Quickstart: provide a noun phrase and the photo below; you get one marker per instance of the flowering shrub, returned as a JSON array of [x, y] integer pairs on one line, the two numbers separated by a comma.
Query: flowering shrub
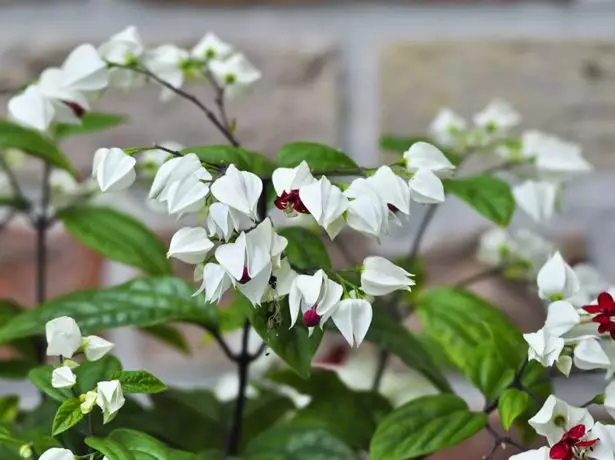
[[253, 228]]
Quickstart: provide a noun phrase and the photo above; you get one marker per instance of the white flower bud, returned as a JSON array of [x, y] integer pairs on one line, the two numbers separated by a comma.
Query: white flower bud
[[426, 187], [239, 190], [25, 451], [56, 453], [84, 70], [63, 337], [109, 398], [537, 199], [187, 195], [113, 169], [63, 377], [190, 245], [88, 401], [422, 155], [446, 127], [95, 347], [497, 116], [234, 74], [31, 109], [381, 276], [557, 280], [326, 204]]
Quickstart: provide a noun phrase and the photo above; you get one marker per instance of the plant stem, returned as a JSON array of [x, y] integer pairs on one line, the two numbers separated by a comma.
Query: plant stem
[[384, 355], [243, 365], [41, 226], [479, 276]]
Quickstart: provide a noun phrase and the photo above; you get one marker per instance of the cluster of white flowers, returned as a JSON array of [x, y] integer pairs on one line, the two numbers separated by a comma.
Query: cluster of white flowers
[[64, 340]]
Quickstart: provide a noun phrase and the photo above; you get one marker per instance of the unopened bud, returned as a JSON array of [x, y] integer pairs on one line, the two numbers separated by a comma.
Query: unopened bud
[[25, 451]]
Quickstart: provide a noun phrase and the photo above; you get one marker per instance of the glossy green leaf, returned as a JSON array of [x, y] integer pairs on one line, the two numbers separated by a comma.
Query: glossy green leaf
[[320, 158], [511, 405], [139, 382], [223, 155], [424, 426], [487, 194], [110, 448], [272, 322], [141, 302], [91, 122], [117, 236], [33, 143], [41, 378], [91, 372], [305, 249], [477, 337], [68, 415], [391, 335], [170, 336], [297, 442], [141, 446]]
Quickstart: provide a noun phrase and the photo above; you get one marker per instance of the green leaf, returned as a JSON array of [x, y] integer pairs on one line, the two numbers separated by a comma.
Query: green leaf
[[391, 335], [9, 408], [91, 372], [487, 194], [399, 144], [141, 302], [139, 382], [117, 236], [68, 415], [41, 378], [223, 155], [170, 336], [272, 322], [91, 122], [144, 447], [320, 158], [14, 202], [477, 338], [424, 426], [305, 249], [33, 143], [511, 405], [110, 448], [296, 442], [6, 437]]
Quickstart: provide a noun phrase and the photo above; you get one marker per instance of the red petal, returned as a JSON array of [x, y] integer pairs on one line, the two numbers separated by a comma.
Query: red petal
[[604, 328], [585, 444], [593, 309], [602, 319], [606, 301], [560, 451], [576, 432]]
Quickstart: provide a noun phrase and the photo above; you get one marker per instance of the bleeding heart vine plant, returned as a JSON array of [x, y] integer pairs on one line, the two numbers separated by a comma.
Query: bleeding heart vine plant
[[253, 229]]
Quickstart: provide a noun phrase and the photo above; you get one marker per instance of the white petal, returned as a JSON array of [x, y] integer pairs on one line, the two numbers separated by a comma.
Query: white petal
[[561, 317], [186, 196], [325, 201], [63, 337], [287, 179], [190, 245], [353, 318], [255, 289], [422, 155], [588, 354], [239, 190], [56, 453], [114, 170], [426, 187], [96, 347], [537, 199], [368, 214], [31, 109], [84, 70], [63, 377], [544, 347], [216, 282], [557, 279], [232, 256], [391, 189], [536, 454]]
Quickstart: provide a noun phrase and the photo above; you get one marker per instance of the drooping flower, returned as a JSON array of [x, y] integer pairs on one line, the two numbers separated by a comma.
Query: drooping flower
[[188, 195], [110, 398], [123, 48], [215, 281], [426, 187], [174, 170], [166, 63], [31, 109], [239, 190], [113, 169], [422, 155], [63, 377], [537, 199], [190, 245], [287, 182], [56, 453], [95, 347], [222, 221], [367, 214], [446, 127], [210, 48], [63, 337], [557, 280], [310, 294], [234, 74], [544, 346], [351, 316], [380, 276], [555, 158], [84, 70], [589, 354], [326, 203]]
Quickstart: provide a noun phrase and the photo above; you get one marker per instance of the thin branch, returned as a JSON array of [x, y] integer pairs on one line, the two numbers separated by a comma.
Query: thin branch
[[243, 364], [499, 441], [223, 345], [479, 276], [257, 354], [177, 154], [219, 99], [186, 95]]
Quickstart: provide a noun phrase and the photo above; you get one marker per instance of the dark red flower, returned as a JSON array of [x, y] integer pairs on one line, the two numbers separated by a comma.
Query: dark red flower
[[77, 110], [392, 207], [311, 318], [571, 446], [245, 276], [604, 311], [291, 201]]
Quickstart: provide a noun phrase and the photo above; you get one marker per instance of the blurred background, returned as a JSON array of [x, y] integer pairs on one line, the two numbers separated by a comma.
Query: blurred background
[[338, 72]]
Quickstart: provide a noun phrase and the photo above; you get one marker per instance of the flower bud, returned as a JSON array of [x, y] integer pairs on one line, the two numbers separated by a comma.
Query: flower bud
[[56, 453], [95, 347], [63, 377], [311, 318], [88, 401], [422, 155], [110, 399], [63, 337], [190, 245], [25, 451], [381, 276], [113, 169]]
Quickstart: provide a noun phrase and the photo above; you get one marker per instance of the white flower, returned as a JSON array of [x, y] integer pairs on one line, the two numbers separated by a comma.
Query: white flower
[[422, 155], [149, 161], [174, 170], [312, 294], [222, 221], [352, 318], [190, 245], [187, 195], [446, 127], [554, 157], [604, 449], [380, 276], [95, 347], [210, 48], [123, 48], [284, 276], [368, 214], [494, 247], [609, 399], [326, 204], [544, 346], [31, 109], [109, 398], [564, 364], [55, 453], [287, 182], [536, 454], [537, 199], [64, 188], [556, 280], [166, 62], [234, 74], [497, 116], [588, 355], [562, 316], [63, 377], [88, 401], [69, 104], [63, 337], [84, 70], [391, 189], [215, 282], [113, 169], [239, 190], [426, 187], [556, 417]]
